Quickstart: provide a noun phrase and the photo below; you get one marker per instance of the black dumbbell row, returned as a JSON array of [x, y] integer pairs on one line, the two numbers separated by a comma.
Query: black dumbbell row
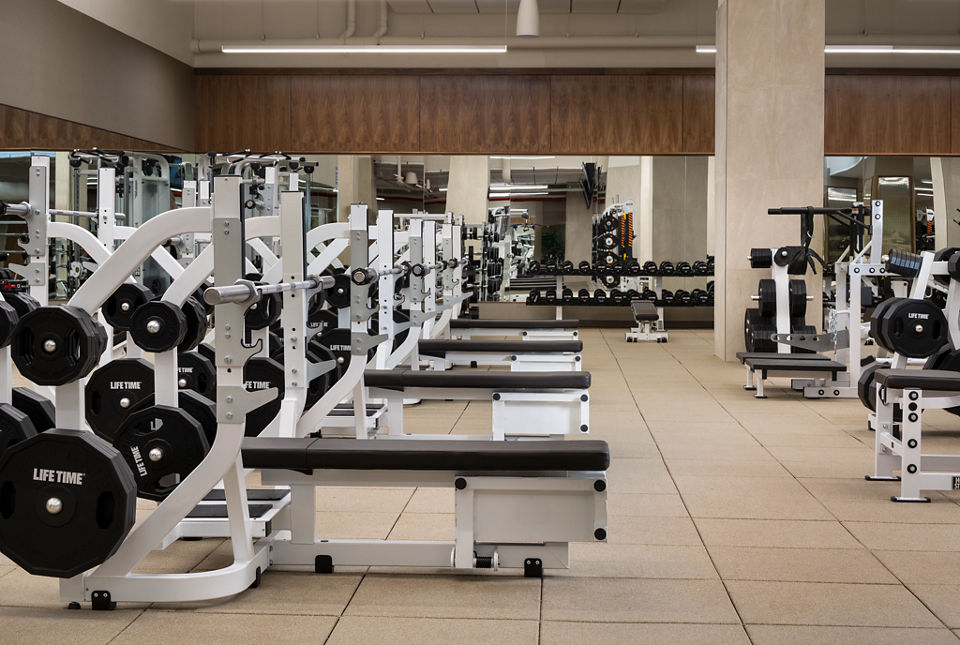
[[618, 298], [629, 268]]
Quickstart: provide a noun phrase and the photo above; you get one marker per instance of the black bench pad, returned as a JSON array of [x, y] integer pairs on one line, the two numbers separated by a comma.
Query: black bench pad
[[440, 347], [504, 381], [745, 356], [795, 365], [942, 380], [644, 310], [424, 454], [469, 323]]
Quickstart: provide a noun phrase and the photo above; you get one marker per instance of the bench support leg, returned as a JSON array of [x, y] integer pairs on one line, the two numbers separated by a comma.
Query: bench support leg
[[910, 469], [884, 460]]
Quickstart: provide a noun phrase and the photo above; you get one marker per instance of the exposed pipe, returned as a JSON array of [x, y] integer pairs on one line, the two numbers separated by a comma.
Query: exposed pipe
[[351, 27]]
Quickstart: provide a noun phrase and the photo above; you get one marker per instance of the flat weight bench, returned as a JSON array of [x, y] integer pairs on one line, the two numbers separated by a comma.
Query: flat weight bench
[[526, 329], [898, 446], [517, 503], [553, 355], [536, 404], [787, 365], [649, 326]]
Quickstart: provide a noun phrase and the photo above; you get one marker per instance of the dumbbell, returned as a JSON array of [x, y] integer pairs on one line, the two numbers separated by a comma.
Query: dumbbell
[[567, 295], [533, 297], [667, 268], [583, 296], [648, 294], [533, 267], [617, 297], [633, 267], [550, 297], [567, 266], [700, 268], [633, 294], [584, 267], [600, 297], [684, 268], [550, 268], [682, 297], [666, 296], [650, 268]]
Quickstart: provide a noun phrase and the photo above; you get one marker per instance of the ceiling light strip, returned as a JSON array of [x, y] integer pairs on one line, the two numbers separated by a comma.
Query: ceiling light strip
[[364, 49], [864, 49]]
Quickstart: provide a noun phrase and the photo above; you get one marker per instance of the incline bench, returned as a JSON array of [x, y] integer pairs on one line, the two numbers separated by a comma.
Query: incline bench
[[898, 446], [555, 355], [794, 366], [536, 404], [517, 503], [526, 329]]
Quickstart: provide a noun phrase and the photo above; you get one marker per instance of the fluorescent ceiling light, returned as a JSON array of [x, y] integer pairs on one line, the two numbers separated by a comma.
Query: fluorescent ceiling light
[[518, 187], [443, 190], [522, 158], [380, 199], [364, 49], [926, 181], [518, 195], [864, 49]]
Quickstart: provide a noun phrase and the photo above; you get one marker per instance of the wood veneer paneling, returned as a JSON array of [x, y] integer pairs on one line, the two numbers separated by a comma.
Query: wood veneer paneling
[[887, 114], [699, 125], [26, 130], [955, 115], [491, 114], [627, 114], [239, 112], [376, 113]]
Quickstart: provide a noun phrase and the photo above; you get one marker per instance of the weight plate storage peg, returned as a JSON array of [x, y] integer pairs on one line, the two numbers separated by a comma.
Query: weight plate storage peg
[[113, 391], [15, 426], [67, 501], [119, 308], [57, 345], [266, 311], [158, 326], [767, 297], [761, 258], [161, 445], [197, 373], [913, 328], [36, 406]]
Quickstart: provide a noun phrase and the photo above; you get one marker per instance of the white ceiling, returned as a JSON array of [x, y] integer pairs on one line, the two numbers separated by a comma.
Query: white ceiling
[[574, 33]]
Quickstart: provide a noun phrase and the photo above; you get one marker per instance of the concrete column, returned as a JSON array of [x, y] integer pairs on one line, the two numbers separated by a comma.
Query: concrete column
[[643, 245], [355, 184], [579, 229], [945, 173], [769, 143], [467, 187]]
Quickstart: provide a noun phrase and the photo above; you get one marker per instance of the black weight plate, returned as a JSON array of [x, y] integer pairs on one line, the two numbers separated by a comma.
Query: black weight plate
[[750, 318], [667, 268], [8, 322], [761, 258], [158, 326], [767, 294], [797, 298], [202, 409], [119, 308], [953, 266], [339, 295], [944, 255], [207, 350], [321, 320], [196, 317], [198, 294], [264, 312], [197, 373], [260, 374], [762, 341], [913, 328], [877, 314], [39, 408], [57, 345], [96, 502], [865, 389], [22, 302], [15, 426], [903, 263], [161, 445], [113, 391]]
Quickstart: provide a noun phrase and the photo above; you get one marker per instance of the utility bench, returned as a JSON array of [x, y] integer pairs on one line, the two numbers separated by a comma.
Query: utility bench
[[761, 365], [898, 454], [538, 404], [520, 355], [649, 324], [516, 504], [527, 329]]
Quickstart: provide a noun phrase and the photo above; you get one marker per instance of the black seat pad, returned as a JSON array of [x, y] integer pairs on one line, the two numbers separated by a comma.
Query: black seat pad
[[745, 356], [468, 323], [644, 310], [399, 379], [793, 365], [424, 454], [440, 347], [943, 380]]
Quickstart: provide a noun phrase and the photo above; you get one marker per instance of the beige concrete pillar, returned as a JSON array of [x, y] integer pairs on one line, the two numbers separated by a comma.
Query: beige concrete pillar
[[467, 187], [769, 143], [355, 184], [945, 172], [579, 229]]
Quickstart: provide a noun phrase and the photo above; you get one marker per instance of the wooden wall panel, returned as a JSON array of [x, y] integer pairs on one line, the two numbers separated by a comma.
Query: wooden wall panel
[[887, 114], [955, 116], [25, 130], [699, 126], [616, 114], [489, 114], [376, 113], [235, 112]]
